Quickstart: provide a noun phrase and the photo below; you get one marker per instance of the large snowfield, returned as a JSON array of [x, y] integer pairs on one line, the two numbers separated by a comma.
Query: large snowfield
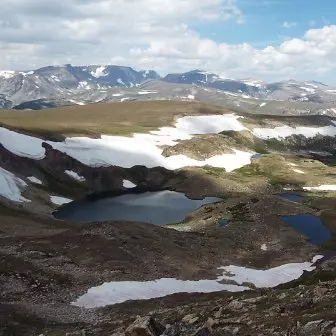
[[139, 149], [121, 291], [146, 149]]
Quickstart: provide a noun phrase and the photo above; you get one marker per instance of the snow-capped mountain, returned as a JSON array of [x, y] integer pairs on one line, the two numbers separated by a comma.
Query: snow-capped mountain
[[208, 79], [54, 86], [291, 90], [57, 81]]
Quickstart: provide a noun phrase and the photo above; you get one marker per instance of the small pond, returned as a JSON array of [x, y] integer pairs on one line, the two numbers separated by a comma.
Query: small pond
[[222, 222], [163, 207], [258, 156], [291, 197], [310, 226]]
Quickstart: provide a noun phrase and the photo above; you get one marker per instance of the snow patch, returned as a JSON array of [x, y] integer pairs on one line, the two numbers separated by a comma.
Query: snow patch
[[34, 180], [145, 92], [192, 97], [21, 144], [7, 74], [119, 80], [263, 247], [84, 85], [309, 90], [59, 200], [128, 184], [231, 94], [268, 278], [253, 82], [11, 186], [286, 131], [74, 175], [55, 78], [117, 94], [121, 291], [76, 102], [312, 85], [25, 74], [263, 104], [324, 187], [99, 72]]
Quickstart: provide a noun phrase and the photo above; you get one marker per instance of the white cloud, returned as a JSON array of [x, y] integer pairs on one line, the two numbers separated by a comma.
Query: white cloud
[[287, 24], [151, 34]]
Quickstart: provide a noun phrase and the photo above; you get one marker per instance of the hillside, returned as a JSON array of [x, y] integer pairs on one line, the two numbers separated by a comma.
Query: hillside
[[259, 273]]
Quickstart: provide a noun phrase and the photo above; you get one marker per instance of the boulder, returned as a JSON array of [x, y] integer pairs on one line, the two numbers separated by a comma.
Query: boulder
[[145, 326]]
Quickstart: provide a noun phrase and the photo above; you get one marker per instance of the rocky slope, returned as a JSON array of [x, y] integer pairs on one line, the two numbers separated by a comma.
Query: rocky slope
[[47, 265]]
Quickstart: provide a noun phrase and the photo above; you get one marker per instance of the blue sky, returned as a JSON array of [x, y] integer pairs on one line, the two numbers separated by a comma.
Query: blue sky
[[264, 21], [266, 39]]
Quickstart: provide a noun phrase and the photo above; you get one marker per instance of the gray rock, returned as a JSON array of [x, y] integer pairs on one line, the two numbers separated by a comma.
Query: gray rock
[[145, 326], [235, 305], [190, 319]]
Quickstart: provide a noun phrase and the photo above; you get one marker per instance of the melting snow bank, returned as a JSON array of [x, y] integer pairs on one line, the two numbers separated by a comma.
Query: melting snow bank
[[59, 200], [21, 144], [11, 186], [144, 149], [118, 292], [324, 187], [286, 131], [75, 176], [140, 149]]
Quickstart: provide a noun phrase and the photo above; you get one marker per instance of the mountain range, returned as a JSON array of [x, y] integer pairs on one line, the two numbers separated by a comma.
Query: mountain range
[[54, 86]]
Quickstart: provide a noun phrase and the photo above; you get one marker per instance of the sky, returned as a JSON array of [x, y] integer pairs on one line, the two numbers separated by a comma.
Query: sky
[[265, 39]]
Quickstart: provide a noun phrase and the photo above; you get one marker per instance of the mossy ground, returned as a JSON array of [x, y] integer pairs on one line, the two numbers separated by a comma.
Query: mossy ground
[[113, 118]]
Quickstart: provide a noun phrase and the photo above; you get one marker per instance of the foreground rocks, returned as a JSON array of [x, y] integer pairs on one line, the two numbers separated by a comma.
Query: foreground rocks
[[298, 311], [47, 264], [145, 326]]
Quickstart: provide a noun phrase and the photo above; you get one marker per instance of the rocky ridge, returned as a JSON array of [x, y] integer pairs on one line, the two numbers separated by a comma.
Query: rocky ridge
[[66, 85]]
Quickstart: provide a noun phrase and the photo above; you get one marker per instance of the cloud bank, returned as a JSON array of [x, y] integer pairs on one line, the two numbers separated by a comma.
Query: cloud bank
[[151, 34]]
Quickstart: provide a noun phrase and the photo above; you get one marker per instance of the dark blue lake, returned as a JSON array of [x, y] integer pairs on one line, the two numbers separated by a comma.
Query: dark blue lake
[[291, 197], [310, 226], [163, 207]]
